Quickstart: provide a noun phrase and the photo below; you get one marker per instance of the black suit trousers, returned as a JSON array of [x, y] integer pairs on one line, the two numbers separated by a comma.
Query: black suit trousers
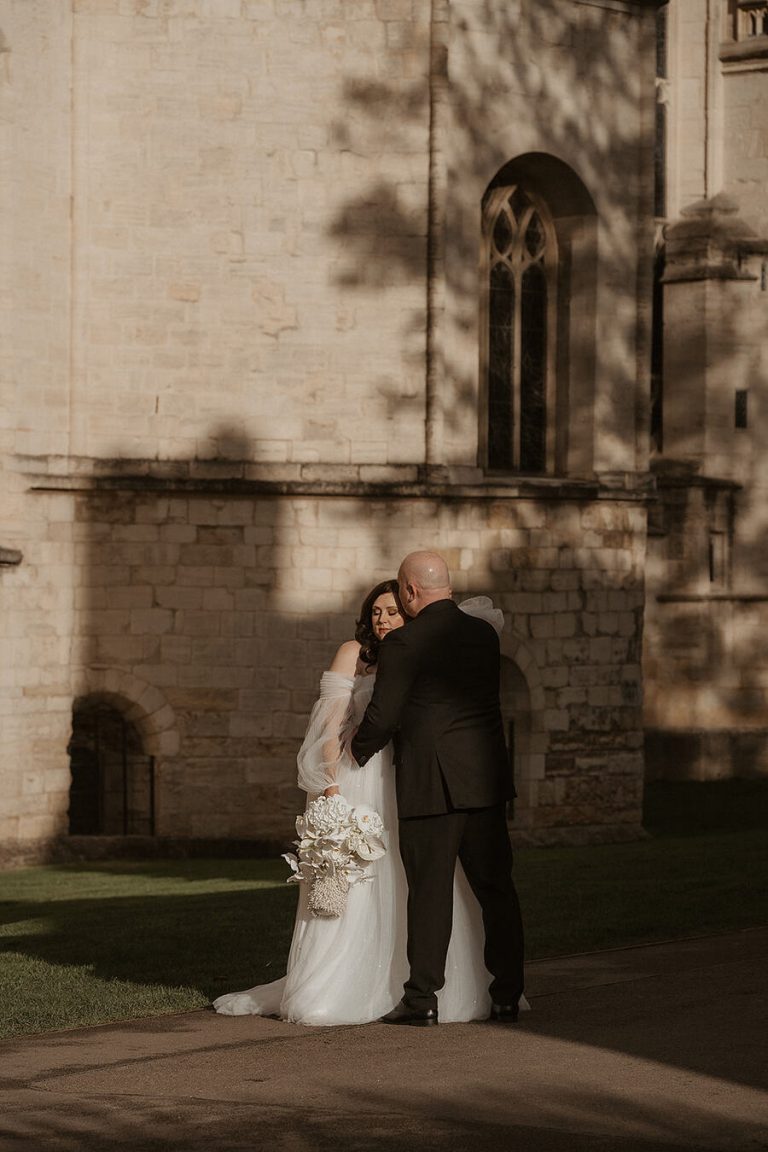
[[429, 846]]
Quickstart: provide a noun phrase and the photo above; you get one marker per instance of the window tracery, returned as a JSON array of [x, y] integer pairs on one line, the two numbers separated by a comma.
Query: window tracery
[[747, 20], [752, 19], [520, 257]]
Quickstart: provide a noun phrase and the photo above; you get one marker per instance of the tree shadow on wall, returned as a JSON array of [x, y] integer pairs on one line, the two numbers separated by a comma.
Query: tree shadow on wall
[[581, 104], [199, 628], [708, 603], [581, 109]]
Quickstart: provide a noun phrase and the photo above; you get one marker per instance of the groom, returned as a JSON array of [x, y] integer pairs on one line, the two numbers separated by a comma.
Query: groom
[[437, 697]]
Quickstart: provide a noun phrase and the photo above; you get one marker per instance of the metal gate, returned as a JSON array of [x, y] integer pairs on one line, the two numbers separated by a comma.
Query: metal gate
[[113, 781]]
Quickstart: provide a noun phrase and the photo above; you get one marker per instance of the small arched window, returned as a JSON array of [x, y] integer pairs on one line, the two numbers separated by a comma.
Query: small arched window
[[520, 265]]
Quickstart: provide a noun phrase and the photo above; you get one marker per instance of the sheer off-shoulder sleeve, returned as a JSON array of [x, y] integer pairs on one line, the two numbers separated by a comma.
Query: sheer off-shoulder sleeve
[[321, 751], [482, 606]]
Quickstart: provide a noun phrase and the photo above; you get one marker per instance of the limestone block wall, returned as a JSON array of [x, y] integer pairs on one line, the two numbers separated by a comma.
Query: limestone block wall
[[706, 687], [715, 96], [35, 226], [705, 666], [243, 273], [746, 143], [234, 252], [240, 255], [745, 126], [572, 84], [36, 651], [35, 319], [716, 332], [694, 98], [207, 620], [704, 663]]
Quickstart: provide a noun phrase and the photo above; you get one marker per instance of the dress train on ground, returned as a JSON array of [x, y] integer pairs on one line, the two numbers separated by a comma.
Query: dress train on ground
[[351, 970]]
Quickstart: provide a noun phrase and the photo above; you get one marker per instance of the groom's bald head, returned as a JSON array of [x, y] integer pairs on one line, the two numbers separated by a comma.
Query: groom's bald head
[[427, 569], [422, 579]]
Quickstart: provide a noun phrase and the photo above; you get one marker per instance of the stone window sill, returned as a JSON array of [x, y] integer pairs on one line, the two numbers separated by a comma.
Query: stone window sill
[[752, 52], [711, 597]]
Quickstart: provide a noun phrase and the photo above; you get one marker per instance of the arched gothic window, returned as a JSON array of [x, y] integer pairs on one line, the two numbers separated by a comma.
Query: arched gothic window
[[520, 260]]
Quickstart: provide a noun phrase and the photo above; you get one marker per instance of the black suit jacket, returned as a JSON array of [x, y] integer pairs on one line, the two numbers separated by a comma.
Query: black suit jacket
[[437, 697]]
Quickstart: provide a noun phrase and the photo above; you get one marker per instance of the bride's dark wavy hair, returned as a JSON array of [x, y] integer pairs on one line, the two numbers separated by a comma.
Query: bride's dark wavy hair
[[364, 633]]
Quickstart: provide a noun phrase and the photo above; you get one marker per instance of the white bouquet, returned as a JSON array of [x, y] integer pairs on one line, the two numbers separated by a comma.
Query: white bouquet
[[336, 843]]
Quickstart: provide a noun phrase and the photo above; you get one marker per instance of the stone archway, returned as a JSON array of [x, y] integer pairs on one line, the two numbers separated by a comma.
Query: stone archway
[[122, 730], [140, 702], [112, 790]]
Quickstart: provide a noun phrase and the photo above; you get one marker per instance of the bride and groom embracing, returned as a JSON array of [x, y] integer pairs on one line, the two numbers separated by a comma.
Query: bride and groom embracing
[[439, 930]]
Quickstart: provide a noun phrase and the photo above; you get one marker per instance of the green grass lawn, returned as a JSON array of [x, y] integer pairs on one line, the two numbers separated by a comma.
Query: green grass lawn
[[89, 943]]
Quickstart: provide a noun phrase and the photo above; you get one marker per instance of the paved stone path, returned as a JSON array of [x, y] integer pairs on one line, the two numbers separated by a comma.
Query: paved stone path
[[640, 1050]]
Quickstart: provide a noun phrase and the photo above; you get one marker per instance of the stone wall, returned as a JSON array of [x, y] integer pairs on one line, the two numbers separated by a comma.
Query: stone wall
[[744, 65], [35, 319], [38, 650], [705, 665], [271, 253], [207, 620], [227, 199], [241, 253], [569, 100]]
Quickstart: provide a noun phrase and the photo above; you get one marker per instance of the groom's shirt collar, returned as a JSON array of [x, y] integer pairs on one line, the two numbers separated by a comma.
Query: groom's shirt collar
[[437, 606]]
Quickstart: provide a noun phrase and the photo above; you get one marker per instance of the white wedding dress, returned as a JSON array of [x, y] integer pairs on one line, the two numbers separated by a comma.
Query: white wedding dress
[[352, 969]]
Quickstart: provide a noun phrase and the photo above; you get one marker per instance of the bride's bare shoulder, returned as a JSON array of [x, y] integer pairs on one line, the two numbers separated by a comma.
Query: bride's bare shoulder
[[345, 660]]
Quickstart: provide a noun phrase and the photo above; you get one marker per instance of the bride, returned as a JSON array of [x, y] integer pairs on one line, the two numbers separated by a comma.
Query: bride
[[351, 969]]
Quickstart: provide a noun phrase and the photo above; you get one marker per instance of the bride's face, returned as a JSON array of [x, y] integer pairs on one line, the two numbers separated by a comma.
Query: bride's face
[[385, 615]]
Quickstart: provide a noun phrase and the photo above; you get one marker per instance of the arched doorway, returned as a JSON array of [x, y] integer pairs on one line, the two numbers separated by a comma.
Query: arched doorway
[[113, 780]]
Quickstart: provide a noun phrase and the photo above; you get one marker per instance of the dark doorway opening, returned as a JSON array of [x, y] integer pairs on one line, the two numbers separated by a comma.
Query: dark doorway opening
[[113, 780]]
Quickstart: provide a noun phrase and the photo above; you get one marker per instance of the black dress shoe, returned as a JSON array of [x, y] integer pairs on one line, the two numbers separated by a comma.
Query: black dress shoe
[[504, 1013], [416, 1017]]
